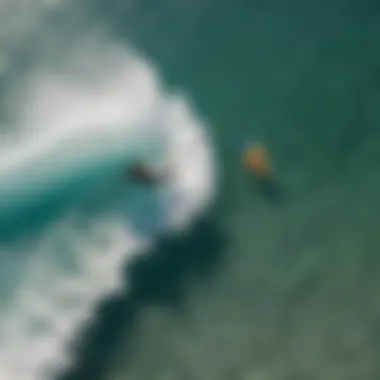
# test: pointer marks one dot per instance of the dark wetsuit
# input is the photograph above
(144, 175)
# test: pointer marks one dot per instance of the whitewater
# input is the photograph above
(69, 221)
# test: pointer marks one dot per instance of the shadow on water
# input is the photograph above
(269, 190)
(157, 278)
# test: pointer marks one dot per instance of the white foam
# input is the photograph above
(62, 123)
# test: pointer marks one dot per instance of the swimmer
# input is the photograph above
(256, 160)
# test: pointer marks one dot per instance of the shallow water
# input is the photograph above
(257, 289)
(294, 293)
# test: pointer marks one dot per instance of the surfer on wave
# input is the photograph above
(144, 174)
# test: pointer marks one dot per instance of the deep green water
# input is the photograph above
(260, 290)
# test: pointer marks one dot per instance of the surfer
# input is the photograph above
(145, 175)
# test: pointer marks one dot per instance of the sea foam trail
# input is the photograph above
(74, 125)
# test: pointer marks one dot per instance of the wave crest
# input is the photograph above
(78, 128)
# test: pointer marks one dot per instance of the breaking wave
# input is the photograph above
(69, 220)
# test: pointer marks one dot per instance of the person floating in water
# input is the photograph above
(257, 161)
(144, 174)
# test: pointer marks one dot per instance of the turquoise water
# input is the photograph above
(293, 293)
(77, 113)
(256, 289)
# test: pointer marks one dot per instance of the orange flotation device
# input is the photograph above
(257, 160)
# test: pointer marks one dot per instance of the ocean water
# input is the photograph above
(209, 277)
(77, 111)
